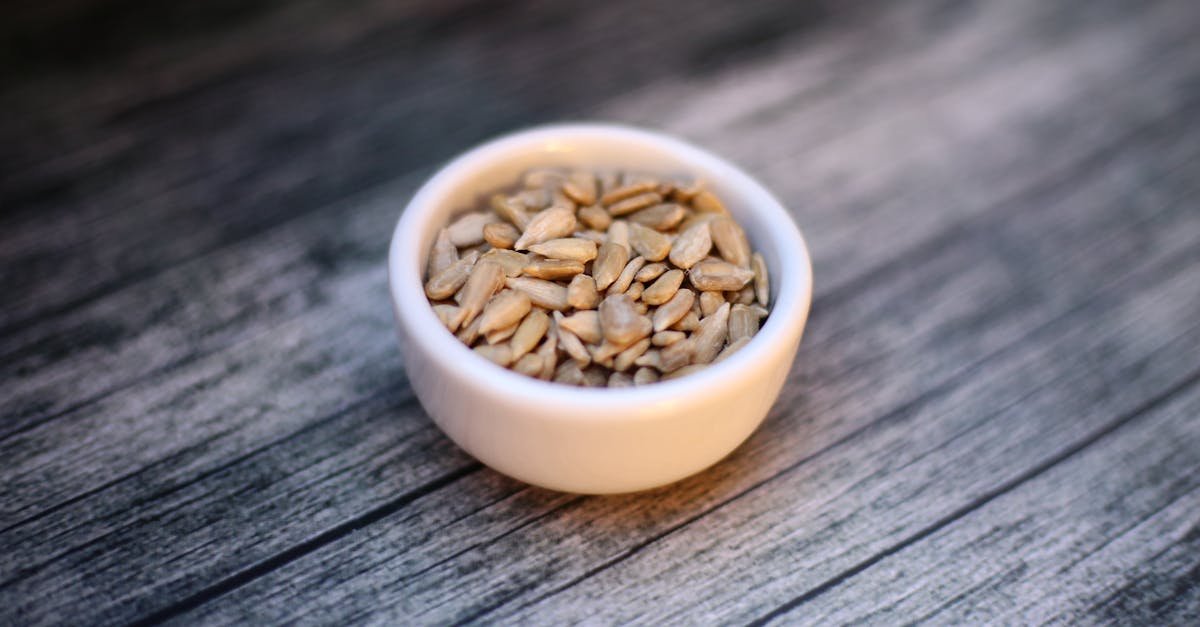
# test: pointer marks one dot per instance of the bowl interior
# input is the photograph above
(467, 182)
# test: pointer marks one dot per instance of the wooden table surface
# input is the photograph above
(994, 417)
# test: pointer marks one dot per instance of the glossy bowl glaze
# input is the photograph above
(595, 440)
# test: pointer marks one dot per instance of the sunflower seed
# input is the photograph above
(689, 322)
(485, 280)
(691, 246)
(548, 351)
(634, 203)
(581, 293)
(499, 354)
(674, 310)
(628, 191)
(442, 254)
(511, 261)
(730, 240)
(709, 339)
(448, 314)
(694, 219)
(552, 269)
(572, 248)
(445, 283)
(683, 372)
(529, 332)
(635, 291)
(467, 230)
(666, 338)
(719, 275)
(650, 359)
(470, 333)
(595, 217)
(650, 271)
(676, 355)
(546, 294)
(570, 373)
(557, 221)
(512, 210)
(499, 335)
(580, 187)
(662, 217)
(618, 233)
(709, 301)
(620, 380)
(620, 322)
(592, 236)
(664, 288)
(504, 310)
(707, 202)
(744, 296)
(533, 200)
(759, 311)
(570, 343)
(762, 285)
(649, 243)
(610, 261)
(626, 277)
(685, 192)
(732, 348)
(529, 365)
(743, 322)
(644, 376)
(625, 358)
(543, 178)
(594, 377)
(584, 324)
(500, 234)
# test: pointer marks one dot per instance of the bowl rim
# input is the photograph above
(789, 311)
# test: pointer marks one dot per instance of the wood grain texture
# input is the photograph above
(993, 416)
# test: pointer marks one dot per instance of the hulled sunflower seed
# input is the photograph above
(594, 377)
(709, 301)
(595, 217)
(620, 380)
(468, 334)
(499, 354)
(621, 323)
(709, 339)
(485, 279)
(529, 332)
(499, 335)
(467, 230)
(744, 296)
(557, 221)
(448, 314)
(691, 246)
(675, 356)
(645, 376)
(546, 294)
(570, 373)
(689, 322)
(743, 322)
(707, 202)
(580, 187)
(628, 191)
(664, 288)
(674, 310)
(650, 271)
(618, 233)
(581, 293)
(500, 234)
(719, 276)
(584, 324)
(634, 203)
(650, 359)
(624, 360)
(626, 277)
(442, 254)
(730, 240)
(635, 291)
(552, 269)
(731, 349)
(504, 309)
(592, 236)
(759, 311)
(762, 285)
(683, 372)
(548, 351)
(512, 210)
(647, 242)
(529, 365)
(662, 217)
(543, 178)
(666, 338)
(446, 283)
(511, 261)
(570, 343)
(610, 261)
(571, 248)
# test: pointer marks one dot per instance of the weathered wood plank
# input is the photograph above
(1088, 527)
(636, 517)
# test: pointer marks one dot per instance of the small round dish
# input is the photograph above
(595, 441)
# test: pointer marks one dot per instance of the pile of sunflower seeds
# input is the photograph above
(580, 278)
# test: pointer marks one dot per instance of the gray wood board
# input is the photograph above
(993, 415)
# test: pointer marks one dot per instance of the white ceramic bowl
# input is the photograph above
(595, 440)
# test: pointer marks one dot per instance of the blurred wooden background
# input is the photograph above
(995, 414)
